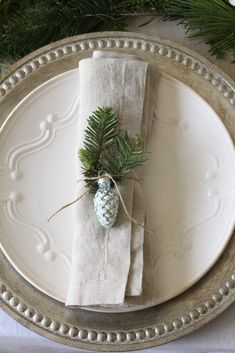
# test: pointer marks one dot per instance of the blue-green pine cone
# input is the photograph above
(106, 203)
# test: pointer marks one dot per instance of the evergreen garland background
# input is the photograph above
(26, 25)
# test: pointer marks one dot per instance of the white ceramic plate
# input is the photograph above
(190, 190)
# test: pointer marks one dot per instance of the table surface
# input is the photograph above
(219, 335)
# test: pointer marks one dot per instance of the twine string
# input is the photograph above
(109, 176)
(124, 206)
(67, 205)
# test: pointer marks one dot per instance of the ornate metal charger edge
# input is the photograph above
(127, 331)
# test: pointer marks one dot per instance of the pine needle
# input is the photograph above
(211, 20)
(107, 150)
(26, 25)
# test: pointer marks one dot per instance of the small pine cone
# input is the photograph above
(106, 203)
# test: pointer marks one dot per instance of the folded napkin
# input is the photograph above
(107, 264)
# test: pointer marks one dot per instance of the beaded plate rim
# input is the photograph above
(116, 340)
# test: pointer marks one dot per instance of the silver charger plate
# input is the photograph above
(156, 325)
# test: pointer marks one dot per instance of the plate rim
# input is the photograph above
(102, 339)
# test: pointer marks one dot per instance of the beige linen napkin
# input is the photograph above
(108, 264)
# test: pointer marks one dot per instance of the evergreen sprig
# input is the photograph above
(107, 149)
(26, 25)
(39, 22)
(211, 20)
(123, 155)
